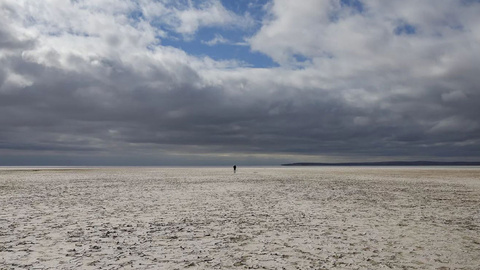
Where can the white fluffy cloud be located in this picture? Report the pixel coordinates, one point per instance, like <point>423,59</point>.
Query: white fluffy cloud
<point>211,13</point>
<point>322,30</point>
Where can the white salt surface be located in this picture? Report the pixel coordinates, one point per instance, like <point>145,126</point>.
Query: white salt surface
<point>258,218</point>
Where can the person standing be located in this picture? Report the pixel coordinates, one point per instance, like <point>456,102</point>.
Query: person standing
<point>234,168</point>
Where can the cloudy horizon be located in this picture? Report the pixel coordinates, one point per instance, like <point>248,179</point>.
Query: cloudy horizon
<point>259,82</point>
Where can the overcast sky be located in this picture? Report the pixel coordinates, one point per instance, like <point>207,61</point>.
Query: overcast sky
<point>210,82</point>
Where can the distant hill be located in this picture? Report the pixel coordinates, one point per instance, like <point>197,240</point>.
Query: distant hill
<point>390,163</point>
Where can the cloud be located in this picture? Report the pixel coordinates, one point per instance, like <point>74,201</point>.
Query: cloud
<point>219,39</point>
<point>209,13</point>
<point>91,81</point>
<point>187,17</point>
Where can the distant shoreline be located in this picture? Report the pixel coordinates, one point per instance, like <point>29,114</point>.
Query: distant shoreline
<point>389,163</point>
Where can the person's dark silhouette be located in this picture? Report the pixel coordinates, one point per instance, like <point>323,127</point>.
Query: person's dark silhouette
<point>234,168</point>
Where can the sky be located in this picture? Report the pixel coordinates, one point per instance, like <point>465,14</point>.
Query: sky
<point>259,82</point>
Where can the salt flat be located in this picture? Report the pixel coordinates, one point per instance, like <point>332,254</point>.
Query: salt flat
<point>258,218</point>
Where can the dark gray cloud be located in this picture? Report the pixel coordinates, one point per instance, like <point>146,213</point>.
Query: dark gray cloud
<point>72,100</point>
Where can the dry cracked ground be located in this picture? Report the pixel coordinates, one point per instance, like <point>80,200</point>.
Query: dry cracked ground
<point>258,218</point>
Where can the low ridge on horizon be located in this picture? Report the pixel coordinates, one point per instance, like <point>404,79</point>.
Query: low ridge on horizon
<point>388,163</point>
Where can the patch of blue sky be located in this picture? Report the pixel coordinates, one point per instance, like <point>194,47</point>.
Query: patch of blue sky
<point>356,5</point>
<point>352,6</point>
<point>180,4</point>
<point>237,6</point>
<point>136,15</point>
<point>405,29</point>
<point>299,61</point>
<point>230,41</point>
<point>232,36</point>
<point>234,49</point>
<point>254,8</point>
<point>300,58</point>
